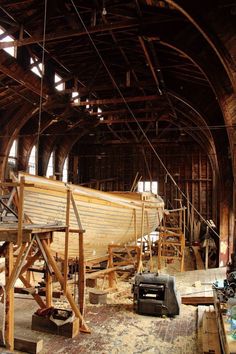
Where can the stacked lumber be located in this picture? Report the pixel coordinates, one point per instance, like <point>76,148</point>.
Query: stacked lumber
<point>208,334</point>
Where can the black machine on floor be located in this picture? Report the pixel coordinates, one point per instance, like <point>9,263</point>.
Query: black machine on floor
<point>155,295</point>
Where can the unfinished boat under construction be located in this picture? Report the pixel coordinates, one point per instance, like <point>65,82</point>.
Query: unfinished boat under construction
<point>117,218</point>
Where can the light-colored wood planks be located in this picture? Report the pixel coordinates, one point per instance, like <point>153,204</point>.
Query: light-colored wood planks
<point>210,335</point>
<point>199,261</point>
<point>106,217</point>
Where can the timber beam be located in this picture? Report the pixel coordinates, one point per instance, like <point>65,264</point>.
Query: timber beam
<point>149,61</point>
<point>122,111</point>
<point>119,100</point>
<point>25,78</point>
<point>115,120</point>
<point>66,34</point>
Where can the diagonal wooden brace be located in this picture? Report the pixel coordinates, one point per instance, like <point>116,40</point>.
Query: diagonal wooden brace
<point>83,326</point>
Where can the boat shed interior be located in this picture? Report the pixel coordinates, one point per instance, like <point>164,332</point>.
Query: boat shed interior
<point>118,96</point>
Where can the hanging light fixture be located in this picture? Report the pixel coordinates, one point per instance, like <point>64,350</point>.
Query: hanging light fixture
<point>104,11</point>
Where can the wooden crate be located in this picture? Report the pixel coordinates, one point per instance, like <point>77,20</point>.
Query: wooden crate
<point>44,324</point>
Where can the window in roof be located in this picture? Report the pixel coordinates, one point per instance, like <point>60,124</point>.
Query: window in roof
<point>59,86</point>
<point>100,114</point>
<point>87,105</point>
<point>32,161</point>
<point>37,68</point>
<point>75,97</point>
<point>147,186</point>
<point>50,168</point>
<point>65,171</point>
<point>9,50</point>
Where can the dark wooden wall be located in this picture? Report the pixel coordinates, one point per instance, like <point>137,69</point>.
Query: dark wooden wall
<point>114,167</point>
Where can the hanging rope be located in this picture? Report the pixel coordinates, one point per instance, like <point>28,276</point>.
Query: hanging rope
<point>41,84</point>
<point>137,122</point>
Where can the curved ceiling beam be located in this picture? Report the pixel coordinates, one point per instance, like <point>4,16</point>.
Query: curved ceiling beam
<point>208,39</point>
<point>187,104</point>
<point>177,49</point>
<point>200,136</point>
<point>207,138</point>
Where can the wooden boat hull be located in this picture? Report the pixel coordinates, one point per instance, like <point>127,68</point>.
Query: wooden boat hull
<point>107,218</point>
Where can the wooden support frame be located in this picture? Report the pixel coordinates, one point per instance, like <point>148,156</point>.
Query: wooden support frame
<point>20,211</point>
<point>171,243</point>
<point>83,326</point>
<point>81,282</point>
<point>14,235</point>
<point>67,238</point>
<point>48,284</point>
<point>13,271</point>
<point>140,265</point>
<point>9,325</point>
<point>168,249</point>
<point>124,260</point>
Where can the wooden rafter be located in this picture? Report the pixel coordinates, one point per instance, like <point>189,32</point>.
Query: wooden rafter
<point>65,34</point>
<point>118,100</point>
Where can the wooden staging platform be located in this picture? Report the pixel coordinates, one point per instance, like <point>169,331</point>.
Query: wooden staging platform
<point>36,240</point>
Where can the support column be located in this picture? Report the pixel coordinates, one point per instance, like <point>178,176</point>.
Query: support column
<point>9,325</point>
<point>111,275</point>
<point>81,273</point>
<point>48,279</point>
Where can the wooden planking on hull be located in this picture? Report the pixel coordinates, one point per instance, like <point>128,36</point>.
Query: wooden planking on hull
<point>108,218</point>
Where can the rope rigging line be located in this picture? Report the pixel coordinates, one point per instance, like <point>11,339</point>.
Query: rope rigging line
<point>138,124</point>
<point>41,83</point>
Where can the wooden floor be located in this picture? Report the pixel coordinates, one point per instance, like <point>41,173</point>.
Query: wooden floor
<point>117,329</point>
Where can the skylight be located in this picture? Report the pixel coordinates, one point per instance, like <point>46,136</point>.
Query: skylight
<point>37,68</point>
<point>87,105</point>
<point>100,114</point>
<point>75,97</point>
<point>61,86</point>
<point>9,50</point>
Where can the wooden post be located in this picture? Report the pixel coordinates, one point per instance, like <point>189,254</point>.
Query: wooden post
<point>20,211</point>
<point>149,245</point>
<point>207,251</point>
<point>184,222</point>
<point>140,264</point>
<point>111,275</point>
<point>9,325</point>
<point>67,239</point>
<point>49,301</point>
<point>11,279</point>
<point>159,252</point>
<point>182,251</point>
<point>135,226</point>
<point>81,280</point>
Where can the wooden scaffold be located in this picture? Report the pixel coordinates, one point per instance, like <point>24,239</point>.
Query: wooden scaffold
<point>171,242</point>
<point>28,243</point>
